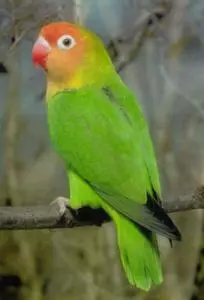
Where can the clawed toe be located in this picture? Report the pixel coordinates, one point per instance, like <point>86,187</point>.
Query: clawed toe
<point>62,204</point>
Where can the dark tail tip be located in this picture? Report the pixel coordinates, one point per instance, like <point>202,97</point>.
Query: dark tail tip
<point>154,204</point>
<point>177,234</point>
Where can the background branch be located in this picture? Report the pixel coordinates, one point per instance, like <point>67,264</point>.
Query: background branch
<point>50,216</point>
<point>136,37</point>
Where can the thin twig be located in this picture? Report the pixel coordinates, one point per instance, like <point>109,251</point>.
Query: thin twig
<point>24,33</point>
<point>137,36</point>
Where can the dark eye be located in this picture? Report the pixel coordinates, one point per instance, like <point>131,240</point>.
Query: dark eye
<point>66,42</point>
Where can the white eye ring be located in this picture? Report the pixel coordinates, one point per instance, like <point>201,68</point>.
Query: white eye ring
<point>66,42</point>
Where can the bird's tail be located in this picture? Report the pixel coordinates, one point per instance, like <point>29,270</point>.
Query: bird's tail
<point>139,253</point>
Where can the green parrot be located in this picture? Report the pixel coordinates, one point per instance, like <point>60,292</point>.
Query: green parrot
<point>97,127</point>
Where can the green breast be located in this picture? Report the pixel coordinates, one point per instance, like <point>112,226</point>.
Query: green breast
<point>83,126</point>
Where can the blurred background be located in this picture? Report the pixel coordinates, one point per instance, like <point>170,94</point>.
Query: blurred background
<point>162,59</point>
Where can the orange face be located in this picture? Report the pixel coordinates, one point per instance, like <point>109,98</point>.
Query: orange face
<point>60,49</point>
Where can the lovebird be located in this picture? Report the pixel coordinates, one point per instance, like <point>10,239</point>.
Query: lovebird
<point>97,127</point>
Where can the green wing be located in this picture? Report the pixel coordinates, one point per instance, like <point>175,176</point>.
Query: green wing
<point>109,148</point>
<point>126,100</point>
<point>152,214</point>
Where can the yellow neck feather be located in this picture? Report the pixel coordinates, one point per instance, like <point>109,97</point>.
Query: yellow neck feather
<point>54,87</point>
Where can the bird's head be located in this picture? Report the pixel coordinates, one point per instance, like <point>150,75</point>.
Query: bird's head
<point>68,52</point>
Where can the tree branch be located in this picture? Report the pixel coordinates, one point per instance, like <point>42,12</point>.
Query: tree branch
<point>191,201</point>
<point>50,217</point>
<point>135,37</point>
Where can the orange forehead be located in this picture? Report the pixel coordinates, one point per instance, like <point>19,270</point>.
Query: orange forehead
<point>52,32</point>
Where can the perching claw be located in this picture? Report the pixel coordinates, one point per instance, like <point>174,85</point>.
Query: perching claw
<point>62,204</point>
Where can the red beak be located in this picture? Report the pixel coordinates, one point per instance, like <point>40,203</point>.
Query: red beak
<point>40,52</point>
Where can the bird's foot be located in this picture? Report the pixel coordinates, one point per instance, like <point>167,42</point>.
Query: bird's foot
<point>62,204</point>
<point>85,215</point>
